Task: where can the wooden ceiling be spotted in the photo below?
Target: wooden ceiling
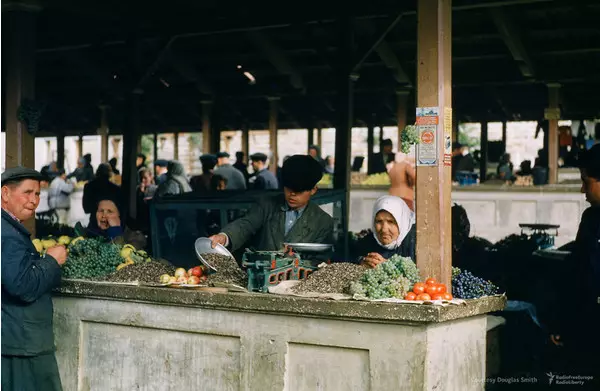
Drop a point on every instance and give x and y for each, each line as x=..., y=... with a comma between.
x=504, y=54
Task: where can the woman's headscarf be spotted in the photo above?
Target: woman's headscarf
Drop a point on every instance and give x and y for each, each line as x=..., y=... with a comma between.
x=405, y=218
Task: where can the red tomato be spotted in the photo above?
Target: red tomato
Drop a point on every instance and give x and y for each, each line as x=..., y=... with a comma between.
x=431, y=281
x=431, y=290
x=419, y=288
x=447, y=296
x=442, y=288
x=424, y=296
x=437, y=296
x=410, y=296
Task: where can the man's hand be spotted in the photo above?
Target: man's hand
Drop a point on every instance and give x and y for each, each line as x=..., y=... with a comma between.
x=59, y=253
x=218, y=239
x=372, y=260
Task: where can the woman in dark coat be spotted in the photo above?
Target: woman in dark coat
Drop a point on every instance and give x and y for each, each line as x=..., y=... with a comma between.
x=394, y=233
x=108, y=222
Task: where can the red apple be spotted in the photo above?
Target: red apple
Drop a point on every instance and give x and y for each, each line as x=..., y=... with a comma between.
x=196, y=271
x=193, y=280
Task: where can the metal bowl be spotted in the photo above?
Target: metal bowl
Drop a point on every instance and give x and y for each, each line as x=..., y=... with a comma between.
x=204, y=246
x=310, y=247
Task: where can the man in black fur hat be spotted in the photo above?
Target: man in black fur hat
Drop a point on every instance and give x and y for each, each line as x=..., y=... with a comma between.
x=290, y=217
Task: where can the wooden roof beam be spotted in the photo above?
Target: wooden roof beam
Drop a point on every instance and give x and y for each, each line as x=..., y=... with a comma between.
x=187, y=71
x=277, y=57
x=512, y=38
x=384, y=51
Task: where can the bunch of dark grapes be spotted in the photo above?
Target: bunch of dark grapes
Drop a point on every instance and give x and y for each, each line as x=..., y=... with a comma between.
x=90, y=258
x=466, y=286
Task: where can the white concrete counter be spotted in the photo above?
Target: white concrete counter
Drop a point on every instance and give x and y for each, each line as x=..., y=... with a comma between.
x=129, y=338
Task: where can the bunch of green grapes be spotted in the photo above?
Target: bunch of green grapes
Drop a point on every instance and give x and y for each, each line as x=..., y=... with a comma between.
x=90, y=258
x=407, y=267
x=383, y=281
x=408, y=138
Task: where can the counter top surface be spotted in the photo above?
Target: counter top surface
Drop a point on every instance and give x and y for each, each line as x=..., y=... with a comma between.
x=283, y=305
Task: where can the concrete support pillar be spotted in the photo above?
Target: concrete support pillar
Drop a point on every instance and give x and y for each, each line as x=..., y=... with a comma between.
x=19, y=65
x=103, y=132
x=401, y=113
x=553, y=115
x=273, y=111
x=80, y=146
x=246, y=140
x=206, y=126
x=483, y=162
x=60, y=150
x=504, y=135
x=370, y=144
x=310, y=133
x=320, y=137
x=176, y=145
x=434, y=89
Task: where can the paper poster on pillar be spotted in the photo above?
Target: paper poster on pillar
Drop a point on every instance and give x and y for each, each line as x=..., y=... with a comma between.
x=447, y=136
x=428, y=119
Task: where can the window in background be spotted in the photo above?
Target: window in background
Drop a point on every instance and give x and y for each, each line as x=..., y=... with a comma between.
x=115, y=149
x=258, y=141
x=92, y=145
x=391, y=132
x=328, y=147
x=148, y=148
x=359, y=147
x=231, y=142
x=521, y=143
x=166, y=146
x=190, y=149
x=45, y=151
x=292, y=142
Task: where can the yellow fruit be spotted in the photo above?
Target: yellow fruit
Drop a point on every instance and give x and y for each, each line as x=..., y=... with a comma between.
x=122, y=265
x=165, y=278
x=129, y=261
x=129, y=246
x=142, y=253
x=64, y=240
x=38, y=245
x=77, y=239
x=47, y=243
x=126, y=252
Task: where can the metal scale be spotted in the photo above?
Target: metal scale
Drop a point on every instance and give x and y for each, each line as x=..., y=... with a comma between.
x=540, y=234
x=269, y=268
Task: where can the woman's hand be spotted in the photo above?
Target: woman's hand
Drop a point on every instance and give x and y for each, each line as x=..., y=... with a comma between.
x=114, y=221
x=372, y=259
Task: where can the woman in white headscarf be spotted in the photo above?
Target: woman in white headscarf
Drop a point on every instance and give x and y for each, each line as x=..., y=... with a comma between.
x=394, y=232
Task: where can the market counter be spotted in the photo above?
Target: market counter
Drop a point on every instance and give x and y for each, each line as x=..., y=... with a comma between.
x=118, y=337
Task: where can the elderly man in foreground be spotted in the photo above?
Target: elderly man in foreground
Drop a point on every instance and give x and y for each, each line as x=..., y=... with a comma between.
x=28, y=361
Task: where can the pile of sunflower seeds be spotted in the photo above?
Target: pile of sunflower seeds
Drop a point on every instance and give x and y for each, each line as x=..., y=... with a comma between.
x=147, y=272
x=228, y=271
x=333, y=278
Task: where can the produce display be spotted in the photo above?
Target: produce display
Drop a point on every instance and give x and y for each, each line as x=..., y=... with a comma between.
x=146, y=272
x=466, y=286
x=193, y=276
x=92, y=257
x=428, y=290
x=228, y=271
x=89, y=258
x=377, y=179
x=332, y=278
x=391, y=279
x=408, y=138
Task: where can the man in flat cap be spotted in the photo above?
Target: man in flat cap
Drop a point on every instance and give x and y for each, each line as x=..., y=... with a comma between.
x=160, y=166
x=28, y=362
x=290, y=217
x=263, y=179
x=235, y=179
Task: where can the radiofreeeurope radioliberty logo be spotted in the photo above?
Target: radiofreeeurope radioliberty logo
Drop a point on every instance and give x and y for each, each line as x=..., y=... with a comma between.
x=571, y=380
